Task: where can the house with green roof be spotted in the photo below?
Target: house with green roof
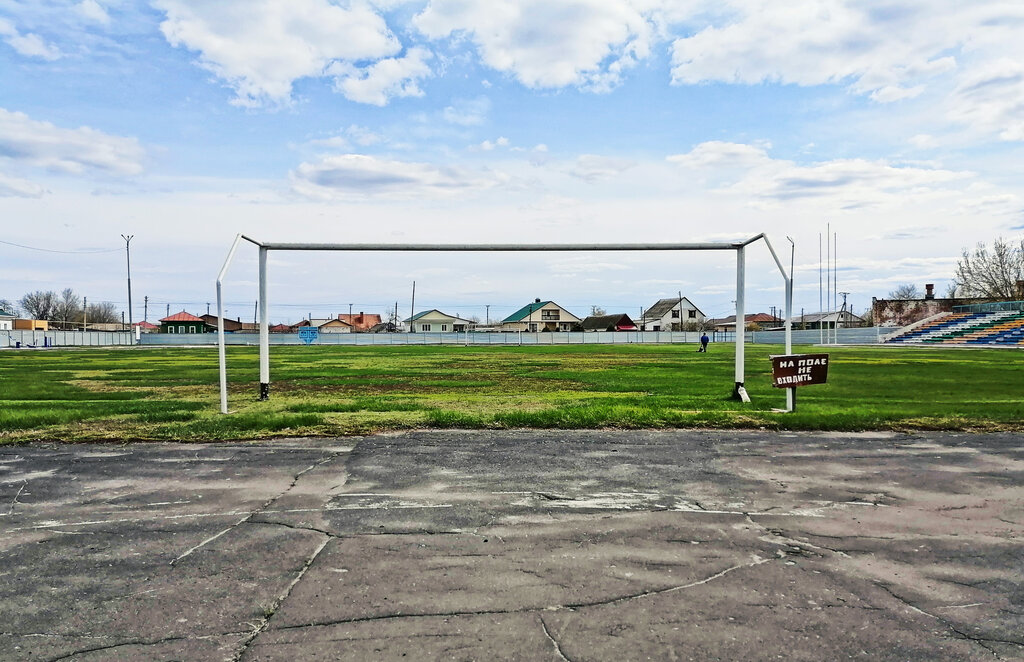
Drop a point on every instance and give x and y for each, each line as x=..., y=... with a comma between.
x=540, y=316
x=434, y=321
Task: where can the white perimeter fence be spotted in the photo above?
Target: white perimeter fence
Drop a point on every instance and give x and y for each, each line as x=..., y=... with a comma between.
x=29, y=339
x=846, y=336
x=66, y=338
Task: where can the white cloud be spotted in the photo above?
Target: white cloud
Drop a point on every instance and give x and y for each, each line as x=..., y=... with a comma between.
x=546, y=43
x=889, y=52
x=992, y=98
x=468, y=112
x=93, y=11
x=846, y=183
x=260, y=47
x=75, y=151
x=378, y=83
x=592, y=167
x=488, y=146
x=358, y=175
x=28, y=44
x=17, y=187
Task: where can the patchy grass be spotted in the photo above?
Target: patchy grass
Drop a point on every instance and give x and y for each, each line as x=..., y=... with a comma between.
x=171, y=393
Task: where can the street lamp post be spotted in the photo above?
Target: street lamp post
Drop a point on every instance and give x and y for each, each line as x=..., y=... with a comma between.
x=128, y=254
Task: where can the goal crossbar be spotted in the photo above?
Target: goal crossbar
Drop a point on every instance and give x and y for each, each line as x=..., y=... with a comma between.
x=265, y=247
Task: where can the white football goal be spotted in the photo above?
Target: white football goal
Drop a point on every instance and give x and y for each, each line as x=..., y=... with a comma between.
x=738, y=247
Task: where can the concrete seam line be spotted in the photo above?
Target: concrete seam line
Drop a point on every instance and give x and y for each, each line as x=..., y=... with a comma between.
x=189, y=551
x=10, y=510
x=533, y=610
x=140, y=642
x=280, y=600
x=554, y=642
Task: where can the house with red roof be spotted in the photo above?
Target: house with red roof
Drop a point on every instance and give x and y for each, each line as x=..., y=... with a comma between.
x=182, y=323
x=146, y=327
x=361, y=322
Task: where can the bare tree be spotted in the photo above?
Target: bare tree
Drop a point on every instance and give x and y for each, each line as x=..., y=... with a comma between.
x=103, y=313
x=39, y=305
x=8, y=306
x=991, y=273
x=597, y=311
x=905, y=292
x=68, y=308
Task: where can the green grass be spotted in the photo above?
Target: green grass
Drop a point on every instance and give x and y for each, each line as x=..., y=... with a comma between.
x=171, y=393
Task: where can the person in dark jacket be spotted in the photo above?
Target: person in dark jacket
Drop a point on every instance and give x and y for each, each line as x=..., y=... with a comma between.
x=703, y=342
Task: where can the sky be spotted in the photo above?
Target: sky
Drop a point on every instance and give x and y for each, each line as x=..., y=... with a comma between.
x=893, y=128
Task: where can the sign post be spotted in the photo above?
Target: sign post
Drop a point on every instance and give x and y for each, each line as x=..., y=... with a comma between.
x=792, y=370
x=308, y=334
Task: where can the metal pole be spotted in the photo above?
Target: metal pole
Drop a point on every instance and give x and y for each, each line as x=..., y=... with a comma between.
x=264, y=329
x=220, y=329
x=128, y=254
x=739, y=392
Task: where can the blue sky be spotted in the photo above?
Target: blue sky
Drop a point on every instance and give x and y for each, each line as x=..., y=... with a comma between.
x=898, y=124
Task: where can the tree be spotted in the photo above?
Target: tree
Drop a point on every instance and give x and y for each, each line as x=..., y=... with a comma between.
x=905, y=292
x=992, y=274
x=39, y=305
x=103, y=313
x=68, y=308
x=8, y=306
x=597, y=311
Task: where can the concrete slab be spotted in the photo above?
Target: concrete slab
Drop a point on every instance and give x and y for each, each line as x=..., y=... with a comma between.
x=586, y=545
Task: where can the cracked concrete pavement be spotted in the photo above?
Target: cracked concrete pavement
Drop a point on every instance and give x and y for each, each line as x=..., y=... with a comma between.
x=511, y=545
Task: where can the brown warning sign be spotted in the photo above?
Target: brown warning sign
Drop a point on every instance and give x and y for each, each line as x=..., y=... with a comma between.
x=792, y=370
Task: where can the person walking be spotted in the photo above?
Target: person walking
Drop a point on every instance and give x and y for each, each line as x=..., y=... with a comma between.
x=704, y=342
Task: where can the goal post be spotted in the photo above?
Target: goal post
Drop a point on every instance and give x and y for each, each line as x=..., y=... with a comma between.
x=265, y=247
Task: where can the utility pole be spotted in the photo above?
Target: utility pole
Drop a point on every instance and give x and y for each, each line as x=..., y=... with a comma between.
x=255, y=311
x=487, y=322
x=145, y=308
x=412, y=307
x=85, y=311
x=207, y=307
x=168, y=310
x=128, y=255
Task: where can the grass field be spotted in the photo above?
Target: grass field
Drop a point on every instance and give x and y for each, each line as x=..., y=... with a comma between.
x=171, y=393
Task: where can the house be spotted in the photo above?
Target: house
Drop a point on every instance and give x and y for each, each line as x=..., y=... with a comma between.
x=671, y=314
x=618, y=322
x=540, y=316
x=146, y=327
x=385, y=327
x=361, y=322
x=331, y=325
x=828, y=320
x=757, y=320
x=433, y=321
x=31, y=325
x=280, y=328
x=230, y=325
x=182, y=323
x=7, y=320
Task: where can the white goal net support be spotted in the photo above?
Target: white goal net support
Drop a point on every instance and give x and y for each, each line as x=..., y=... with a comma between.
x=738, y=247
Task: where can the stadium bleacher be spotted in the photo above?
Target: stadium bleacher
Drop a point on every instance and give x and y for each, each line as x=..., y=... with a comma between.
x=993, y=327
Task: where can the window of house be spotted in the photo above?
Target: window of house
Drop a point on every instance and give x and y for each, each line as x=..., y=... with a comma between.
x=549, y=314
x=444, y=327
x=533, y=327
x=692, y=314
x=181, y=329
x=424, y=327
x=675, y=314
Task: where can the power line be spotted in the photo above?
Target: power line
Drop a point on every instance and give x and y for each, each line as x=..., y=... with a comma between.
x=50, y=250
